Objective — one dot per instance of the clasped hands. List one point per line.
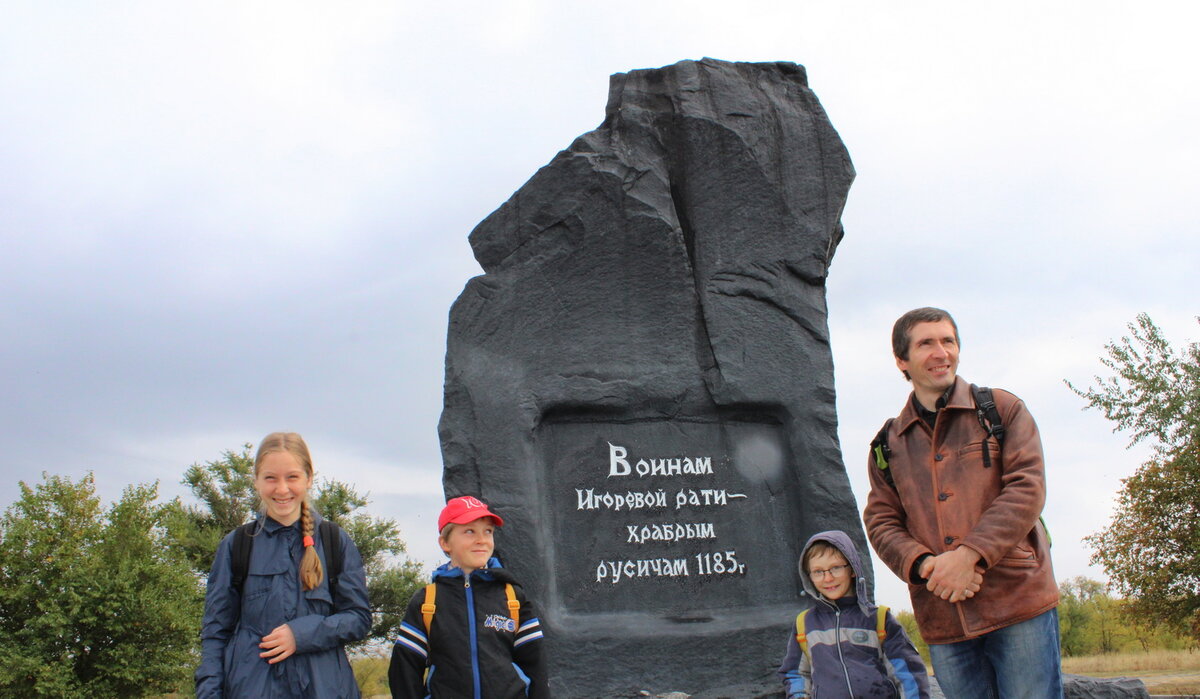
(953, 575)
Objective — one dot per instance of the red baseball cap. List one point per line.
(465, 509)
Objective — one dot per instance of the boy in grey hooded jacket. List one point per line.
(846, 655)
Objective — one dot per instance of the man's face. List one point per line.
(932, 357)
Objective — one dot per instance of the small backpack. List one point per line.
(331, 542)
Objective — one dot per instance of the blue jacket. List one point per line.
(234, 623)
(846, 658)
(473, 648)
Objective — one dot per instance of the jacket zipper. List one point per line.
(474, 640)
(837, 627)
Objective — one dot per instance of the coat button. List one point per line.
(938, 457)
(943, 497)
(949, 540)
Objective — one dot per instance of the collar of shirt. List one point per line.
(930, 416)
(272, 527)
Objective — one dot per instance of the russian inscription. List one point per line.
(684, 522)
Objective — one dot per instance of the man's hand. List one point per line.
(279, 644)
(953, 575)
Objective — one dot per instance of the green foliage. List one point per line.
(1093, 622)
(370, 671)
(1151, 549)
(92, 602)
(1089, 619)
(225, 489)
(1155, 393)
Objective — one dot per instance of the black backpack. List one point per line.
(331, 542)
(989, 419)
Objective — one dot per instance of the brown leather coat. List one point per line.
(945, 498)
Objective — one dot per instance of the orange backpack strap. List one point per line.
(801, 638)
(514, 605)
(881, 624)
(428, 608)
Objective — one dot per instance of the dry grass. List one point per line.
(1169, 672)
(1133, 664)
(1173, 687)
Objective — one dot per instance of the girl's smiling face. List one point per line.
(282, 484)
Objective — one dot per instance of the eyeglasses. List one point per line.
(835, 571)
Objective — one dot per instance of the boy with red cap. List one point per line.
(471, 632)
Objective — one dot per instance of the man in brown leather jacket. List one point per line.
(962, 527)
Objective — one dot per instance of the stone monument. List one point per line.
(641, 382)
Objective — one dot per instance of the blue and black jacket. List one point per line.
(473, 648)
(845, 658)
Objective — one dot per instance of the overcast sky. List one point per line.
(222, 219)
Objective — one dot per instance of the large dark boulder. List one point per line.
(641, 382)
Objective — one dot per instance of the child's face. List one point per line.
(470, 545)
(282, 484)
(831, 574)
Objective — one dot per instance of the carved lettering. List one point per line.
(591, 500)
(614, 568)
(669, 532)
(704, 497)
(617, 465)
(616, 571)
(719, 563)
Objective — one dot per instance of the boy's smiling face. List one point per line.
(823, 569)
(470, 545)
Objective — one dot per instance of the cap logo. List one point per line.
(471, 502)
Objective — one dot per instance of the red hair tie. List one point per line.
(308, 541)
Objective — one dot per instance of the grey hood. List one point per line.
(842, 543)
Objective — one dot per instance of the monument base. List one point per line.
(623, 655)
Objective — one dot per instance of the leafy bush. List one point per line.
(93, 603)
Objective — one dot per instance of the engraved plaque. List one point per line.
(669, 517)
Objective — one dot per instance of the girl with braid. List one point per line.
(280, 631)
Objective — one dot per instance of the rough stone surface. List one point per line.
(641, 382)
(1081, 687)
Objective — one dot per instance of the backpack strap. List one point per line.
(331, 541)
(801, 637)
(989, 419)
(429, 607)
(881, 613)
(514, 605)
(883, 453)
(243, 543)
